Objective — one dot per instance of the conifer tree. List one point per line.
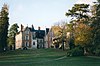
(96, 27)
(11, 35)
(4, 23)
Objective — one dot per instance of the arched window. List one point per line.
(33, 43)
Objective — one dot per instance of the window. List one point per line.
(26, 32)
(33, 43)
(41, 41)
(26, 37)
(26, 44)
(34, 35)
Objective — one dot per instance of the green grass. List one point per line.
(45, 57)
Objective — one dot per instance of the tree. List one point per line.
(83, 37)
(81, 30)
(96, 26)
(70, 30)
(4, 23)
(60, 34)
(79, 11)
(11, 35)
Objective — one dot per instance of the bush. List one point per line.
(75, 52)
(24, 48)
(97, 52)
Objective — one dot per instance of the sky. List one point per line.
(43, 13)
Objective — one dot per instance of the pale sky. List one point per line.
(43, 13)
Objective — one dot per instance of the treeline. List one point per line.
(83, 30)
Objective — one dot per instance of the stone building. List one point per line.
(30, 38)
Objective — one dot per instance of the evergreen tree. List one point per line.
(4, 23)
(11, 35)
(96, 27)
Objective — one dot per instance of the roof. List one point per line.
(39, 33)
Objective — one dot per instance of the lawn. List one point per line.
(45, 57)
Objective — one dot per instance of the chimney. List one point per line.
(32, 26)
(22, 27)
(47, 30)
(39, 28)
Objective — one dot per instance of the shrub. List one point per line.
(75, 52)
(97, 52)
(24, 48)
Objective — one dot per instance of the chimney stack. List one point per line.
(47, 30)
(39, 28)
(32, 26)
(22, 27)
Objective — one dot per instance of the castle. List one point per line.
(30, 38)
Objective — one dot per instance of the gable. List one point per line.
(27, 30)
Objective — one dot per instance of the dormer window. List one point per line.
(26, 32)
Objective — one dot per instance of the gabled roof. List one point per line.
(31, 29)
(39, 33)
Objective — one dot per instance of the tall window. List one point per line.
(33, 43)
(26, 44)
(34, 35)
(41, 41)
(26, 37)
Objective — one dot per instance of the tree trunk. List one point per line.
(84, 50)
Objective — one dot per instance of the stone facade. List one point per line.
(30, 38)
